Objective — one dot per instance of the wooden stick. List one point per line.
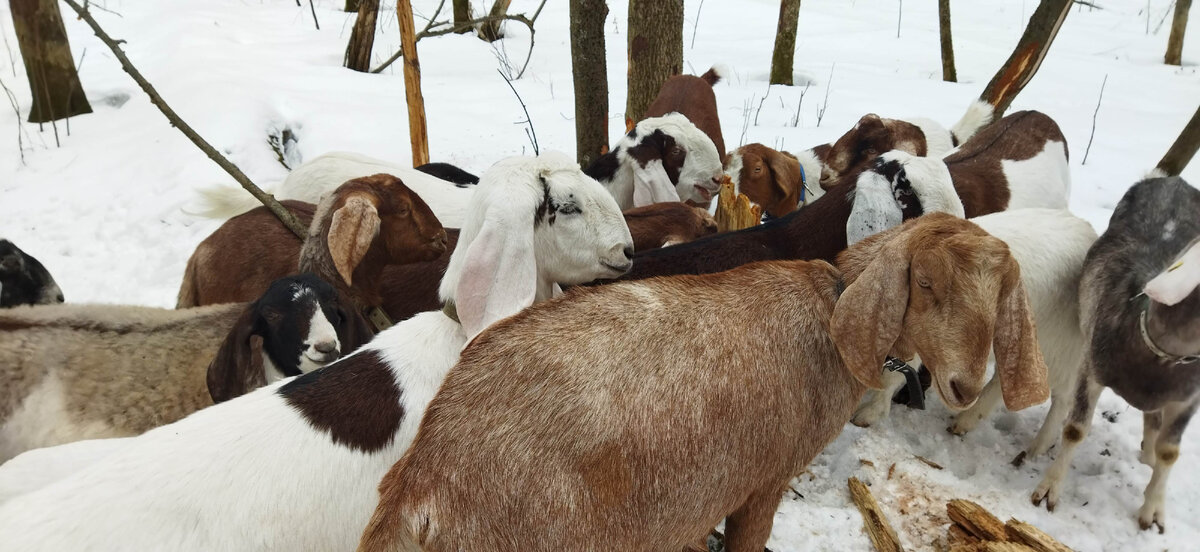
(412, 84)
(976, 520)
(1034, 538)
(285, 216)
(874, 522)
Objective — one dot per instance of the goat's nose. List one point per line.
(628, 252)
(326, 347)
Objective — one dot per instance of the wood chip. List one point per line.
(1024, 533)
(976, 520)
(960, 535)
(874, 522)
(891, 471)
(930, 463)
(866, 462)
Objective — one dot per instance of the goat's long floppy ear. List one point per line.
(499, 275)
(1179, 280)
(786, 174)
(238, 368)
(1018, 357)
(869, 316)
(651, 184)
(354, 226)
(354, 331)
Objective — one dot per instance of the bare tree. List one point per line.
(588, 65)
(1178, 26)
(1027, 56)
(362, 37)
(490, 29)
(948, 72)
(1183, 149)
(462, 16)
(785, 42)
(53, 80)
(655, 51)
(351, 5)
(412, 84)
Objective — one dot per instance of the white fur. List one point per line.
(312, 180)
(37, 468)
(979, 114)
(1043, 180)
(320, 332)
(701, 166)
(1050, 246)
(1177, 282)
(812, 175)
(251, 473)
(876, 208)
(734, 170)
(937, 139)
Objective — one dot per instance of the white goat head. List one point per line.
(533, 224)
(900, 186)
(670, 160)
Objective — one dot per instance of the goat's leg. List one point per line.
(1087, 392)
(748, 528)
(1175, 417)
(983, 407)
(1151, 422)
(877, 403)
(1060, 406)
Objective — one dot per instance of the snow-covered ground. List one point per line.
(103, 210)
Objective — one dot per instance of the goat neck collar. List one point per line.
(451, 311)
(1154, 348)
(378, 318)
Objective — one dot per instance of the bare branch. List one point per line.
(1097, 112)
(529, 132)
(439, 28)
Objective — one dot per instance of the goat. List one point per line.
(873, 135)
(314, 179)
(364, 226)
(1139, 300)
(534, 223)
(774, 180)
(449, 173)
(76, 372)
(693, 98)
(1050, 246)
(577, 429)
(662, 159)
(670, 223)
(1018, 162)
(23, 280)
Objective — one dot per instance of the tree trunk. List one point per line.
(490, 30)
(588, 65)
(57, 93)
(352, 5)
(785, 42)
(655, 51)
(412, 84)
(1027, 57)
(948, 72)
(362, 37)
(1178, 26)
(1183, 149)
(462, 14)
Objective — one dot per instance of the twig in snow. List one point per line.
(760, 104)
(11, 62)
(828, 85)
(285, 216)
(314, 12)
(796, 116)
(1090, 5)
(71, 94)
(1093, 134)
(746, 108)
(696, 24)
(529, 130)
(12, 100)
(1166, 12)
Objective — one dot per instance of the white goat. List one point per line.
(214, 480)
(662, 159)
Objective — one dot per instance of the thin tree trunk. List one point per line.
(1183, 149)
(490, 30)
(588, 65)
(412, 84)
(352, 5)
(948, 72)
(53, 80)
(362, 37)
(785, 42)
(1027, 56)
(462, 14)
(655, 51)
(1178, 26)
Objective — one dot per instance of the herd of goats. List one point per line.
(549, 358)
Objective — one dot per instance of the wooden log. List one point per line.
(734, 210)
(1024, 533)
(412, 84)
(958, 535)
(874, 522)
(976, 520)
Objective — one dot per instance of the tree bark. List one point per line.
(1178, 26)
(490, 30)
(1183, 149)
(948, 72)
(412, 84)
(53, 80)
(462, 14)
(362, 37)
(588, 65)
(785, 42)
(351, 5)
(655, 51)
(1027, 57)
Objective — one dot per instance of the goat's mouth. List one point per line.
(320, 358)
(956, 398)
(618, 269)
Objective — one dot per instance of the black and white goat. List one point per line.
(23, 280)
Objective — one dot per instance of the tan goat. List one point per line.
(636, 416)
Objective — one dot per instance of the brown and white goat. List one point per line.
(578, 431)
(692, 97)
(772, 179)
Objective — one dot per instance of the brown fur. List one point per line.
(770, 178)
(693, 97)
(872, 136)
(977, 170)
(367, 423)
(584, 430)
(659, 224)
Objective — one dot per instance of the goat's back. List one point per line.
(692, 97)
(637, 411)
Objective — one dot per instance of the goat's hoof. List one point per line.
(1044, 492)
(1151, 516)
(956, 430)
(1019, 460)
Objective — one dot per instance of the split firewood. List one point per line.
(734, 210)
(874, 522)
(1019, 531)
(976, 520)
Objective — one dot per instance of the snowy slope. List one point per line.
(103, 210)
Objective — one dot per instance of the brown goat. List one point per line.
(772, 179)
(693, 98)
(228, 267)
(578, 430)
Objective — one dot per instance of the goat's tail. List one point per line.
(222, 202)
(714, 74)
(187, 290)
(978, 115)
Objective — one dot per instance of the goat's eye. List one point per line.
(758, 169)
(677, 151)
(923, 282)
(569, 209)
(870, 151)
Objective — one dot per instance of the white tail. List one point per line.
(978, 115)
(221, 201)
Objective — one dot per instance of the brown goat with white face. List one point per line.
(771, 179)
(578, 429)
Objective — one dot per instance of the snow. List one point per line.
(103, 210)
